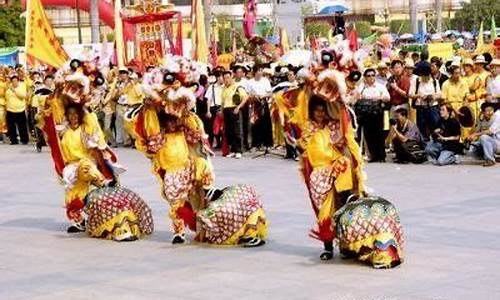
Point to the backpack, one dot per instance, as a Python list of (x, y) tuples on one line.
[(415, 152)]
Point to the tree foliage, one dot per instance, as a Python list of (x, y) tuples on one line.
[(11, 25), (363, 28), (317, 29), (472, 13)]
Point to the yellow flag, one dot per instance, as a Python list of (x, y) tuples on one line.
[(198, 36), (480, 38), (41, 42), (284, 41)]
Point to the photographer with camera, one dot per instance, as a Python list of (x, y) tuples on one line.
[(369, 108), (425, 94), (445, 145), (406, 139), (398, 86)]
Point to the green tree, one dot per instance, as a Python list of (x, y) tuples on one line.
[(11, 25), (472, 13), (317, 28), (363, 28)]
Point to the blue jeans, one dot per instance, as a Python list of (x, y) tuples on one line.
[(436, 152), (485, 148), (427, 120)]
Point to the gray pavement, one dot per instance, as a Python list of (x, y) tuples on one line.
[(451, 218)]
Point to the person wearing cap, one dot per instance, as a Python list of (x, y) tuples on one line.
[(455, 89), (493, 84), (423, 63), (383, 74), (129, 93), (424, 94), (482, 77), (409, 69), (485, 138), (15, 99)]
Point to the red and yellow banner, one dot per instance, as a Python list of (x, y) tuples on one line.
[(41, 42)]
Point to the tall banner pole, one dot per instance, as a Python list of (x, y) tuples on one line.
[(120, 55), (26, 32)]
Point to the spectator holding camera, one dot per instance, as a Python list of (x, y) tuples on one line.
[(424, 94), (445, 147), (406, 138), (398, 86)]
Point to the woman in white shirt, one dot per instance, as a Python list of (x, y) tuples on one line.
[(259, 89), (424, 94), (371, 97)]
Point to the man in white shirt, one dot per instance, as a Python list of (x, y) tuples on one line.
[(486, 138), (240, 73), (493, 83), (424, 94), (259, 89), (371, 97), (214, 99), (382, 73)]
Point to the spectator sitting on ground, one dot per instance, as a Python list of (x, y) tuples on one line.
[(486, 136), (445, 146), (405, 135)]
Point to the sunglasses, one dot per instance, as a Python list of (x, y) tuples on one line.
[(370, 75)]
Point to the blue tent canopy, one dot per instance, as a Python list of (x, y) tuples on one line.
[(330, 10)]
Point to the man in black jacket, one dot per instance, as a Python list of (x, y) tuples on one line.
[(445, 145)]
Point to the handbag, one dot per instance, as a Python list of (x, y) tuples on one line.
[(364, 107)]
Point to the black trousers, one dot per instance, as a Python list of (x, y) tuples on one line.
[(17, 122), (233, 128), (373, 130), (402, 153), (245, 121), (262, 129)]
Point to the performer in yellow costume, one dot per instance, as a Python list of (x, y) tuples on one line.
[(77, 143), (331, 159), (173, 139)]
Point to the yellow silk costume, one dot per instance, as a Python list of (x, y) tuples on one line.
[(180, 167), (75, 147), (331, 161)]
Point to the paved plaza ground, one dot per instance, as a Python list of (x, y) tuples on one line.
[(451, 218)]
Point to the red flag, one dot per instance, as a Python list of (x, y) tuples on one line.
[(353, 39), (213, 52)]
